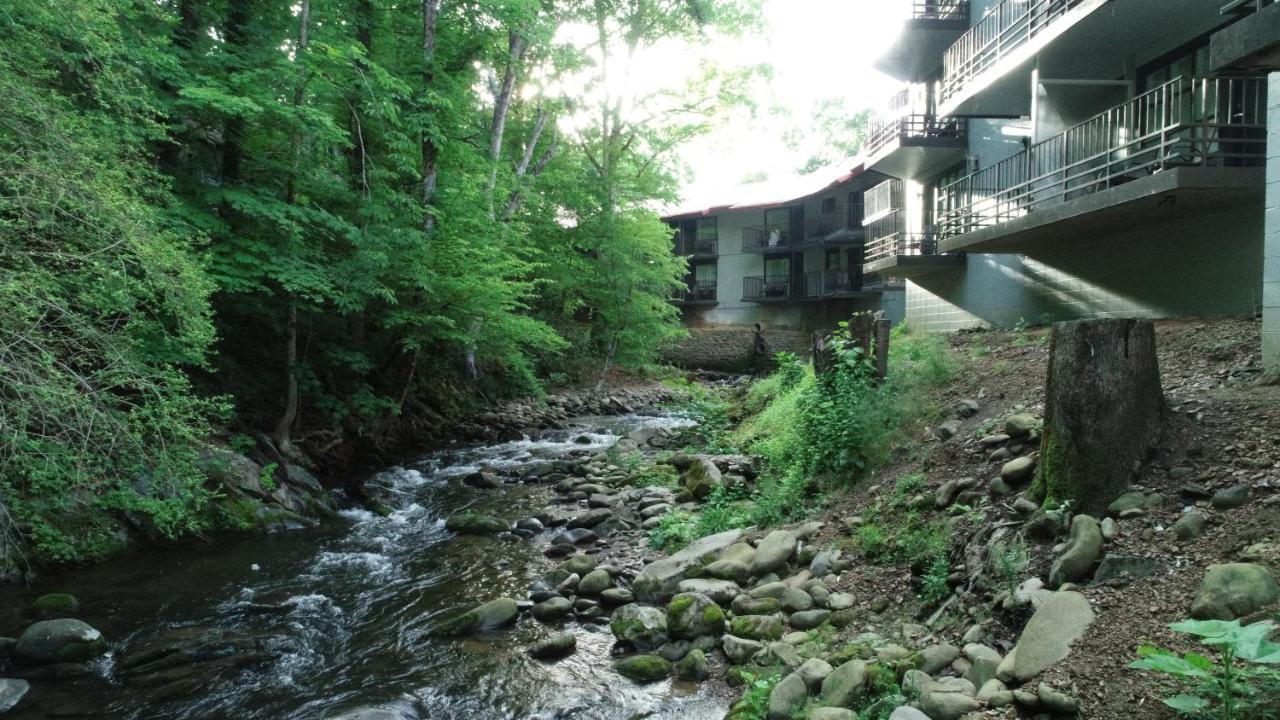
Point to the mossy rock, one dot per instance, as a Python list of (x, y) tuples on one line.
[(491, 615), (471, 523), (643, 627), (644, 668), (58, 641), (693, 667), (691, 615), (56, 605), (757, 627), (556, 646)]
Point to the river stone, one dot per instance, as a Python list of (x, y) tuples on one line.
[(11, 692), (1189, 526), (779, 654), (947, 702), (773, 590), (590, 518), (56, 605), (1234, 590), (840, 601), (1124, 567), (644, 627), (659, 580), (935, 658), (472, 523), (1058, 702), (747, 605), (825, 562), (482, 480), (691, 615), (655, 512), (906, 712), (773, 552), (491, 615), (58, 641), (530, 524), (740, 650), (995, 693), (845, 684), (1046, 641), (616, 596), (1016, 426), (693, 667), (1083, 550), (644, 668), (556, 608), (756, 627), (728, 570), (594, 583), (556, 646), (580, 565), (786, 697), (826, 713), (813, 671), (721, 591), (809, 619), (948, 429), (1018, 470), (983, 663), (795, 600), (1232, 497), (675, 650), (702, 478)]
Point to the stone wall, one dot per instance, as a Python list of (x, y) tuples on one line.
[(731, 349), (1271, 263)]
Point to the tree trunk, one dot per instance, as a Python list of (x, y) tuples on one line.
[(882, 349), (430, 151), (501, 108), (1103, 411), (284, 425)]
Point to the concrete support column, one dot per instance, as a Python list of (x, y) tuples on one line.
[(1271, 235)]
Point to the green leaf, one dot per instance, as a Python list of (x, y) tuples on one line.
[(1186, 703)]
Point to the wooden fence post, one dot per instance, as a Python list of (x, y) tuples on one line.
[(882, 349)]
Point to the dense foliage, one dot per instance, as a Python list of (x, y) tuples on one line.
[(307, 218)]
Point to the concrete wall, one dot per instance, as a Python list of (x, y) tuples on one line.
[(1271, 262), (731, 349), (1209, 264)]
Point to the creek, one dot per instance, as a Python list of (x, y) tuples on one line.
[(336, 621)]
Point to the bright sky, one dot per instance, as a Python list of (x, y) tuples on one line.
[(818, 49)]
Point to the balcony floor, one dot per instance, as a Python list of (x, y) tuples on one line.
[(913, 158), (1159, 197), (917, 52), (906, 266)]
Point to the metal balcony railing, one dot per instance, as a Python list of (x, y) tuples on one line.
[(1216, 122), (699, 291), (837, 281), (1004, 28), (799, 286), (881, 201), (901, 243), (940, 10), (769, 236), (916, 126)]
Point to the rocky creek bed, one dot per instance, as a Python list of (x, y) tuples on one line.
[(357, 618)]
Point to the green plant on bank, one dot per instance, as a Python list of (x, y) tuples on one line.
[(267, 477), (754, 703), (910, 540), (934, 587), (675, 530), (906, 486), (1242, 684), (709, 409), (655, 475), (1009, 560)]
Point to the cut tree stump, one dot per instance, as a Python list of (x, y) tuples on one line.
[(1104, 408)]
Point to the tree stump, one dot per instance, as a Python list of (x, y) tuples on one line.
[(882, 349), (824, 353), (1103, 411)]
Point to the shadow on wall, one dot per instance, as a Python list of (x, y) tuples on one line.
[(1207, 265)]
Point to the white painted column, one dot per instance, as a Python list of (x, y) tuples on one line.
[(1271, 236)]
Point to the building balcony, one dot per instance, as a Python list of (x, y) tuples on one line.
[(931, 27), (903, 254), (1188, 144), (806, 287), (917, 146), (988, 71), (815, 232), (697, 293), (703, 246), (1252, 43)]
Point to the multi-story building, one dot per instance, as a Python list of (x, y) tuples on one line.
[(791, 257), (1055, 159), (1046, 160)]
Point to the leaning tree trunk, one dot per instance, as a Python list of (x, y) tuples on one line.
[(1103, 411)]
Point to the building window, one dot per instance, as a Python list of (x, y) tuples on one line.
[(828, 205), (704, 274)]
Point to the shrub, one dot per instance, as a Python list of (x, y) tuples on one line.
[(675, 530), (1243, 684)]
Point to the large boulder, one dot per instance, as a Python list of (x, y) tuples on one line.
[(1057, 623), (1083, 550), (757, 627), (845, 685), (773, 552), (721, 591), (691, 615), (58, 641), (787, 697), (740, 650), (702, 478), (645, 628), (595, 582), (553, 609), (1234, 590), (489, 616), (659, 580)]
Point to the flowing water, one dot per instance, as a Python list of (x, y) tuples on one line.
[(348, 609)]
